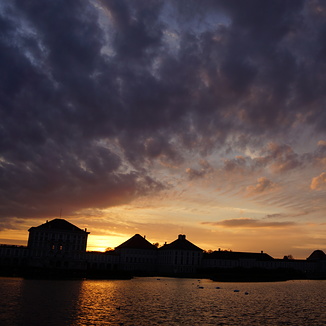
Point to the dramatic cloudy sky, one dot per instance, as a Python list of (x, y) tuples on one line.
[(206, 118)]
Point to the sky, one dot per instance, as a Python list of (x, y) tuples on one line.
[(205, 118)]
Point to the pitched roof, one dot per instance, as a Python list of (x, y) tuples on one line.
[(136, 242), (233, 255), (181, 244), (58, 224), (317, 255)]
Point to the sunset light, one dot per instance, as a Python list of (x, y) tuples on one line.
[(160, 118)]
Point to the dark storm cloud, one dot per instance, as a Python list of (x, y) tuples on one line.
[(54, 106), (92, 91), (137, 27)]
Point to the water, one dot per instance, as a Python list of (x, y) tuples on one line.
[(168, 301)]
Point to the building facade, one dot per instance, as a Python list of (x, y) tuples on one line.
[(59, 245), (137, 255), (179, 257)]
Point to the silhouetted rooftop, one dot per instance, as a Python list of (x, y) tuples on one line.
[(233, 255), (59, 224), (317, 255), (181, 244), (137, 242)]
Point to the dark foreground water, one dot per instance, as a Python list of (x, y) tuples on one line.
[(167, 301)]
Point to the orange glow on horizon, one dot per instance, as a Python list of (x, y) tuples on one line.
[(14, 237), (102, 242)]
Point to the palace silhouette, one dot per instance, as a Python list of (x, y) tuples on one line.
[(57, 248)]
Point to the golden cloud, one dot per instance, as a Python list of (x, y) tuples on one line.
[(319, 183), (322, 143), (249, 223), (263, 185)]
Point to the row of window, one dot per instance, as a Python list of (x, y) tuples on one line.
[(41, 240), (44, 253), (44, 243), (187, 253), (60, 247), (180, 260), (140, 260), (46, 235), (253, 263), (13, 252)]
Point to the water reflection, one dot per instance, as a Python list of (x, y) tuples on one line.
[(148, 301), (45, 302), (100, 302), (168, 301)]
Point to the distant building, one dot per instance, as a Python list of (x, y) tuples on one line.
[(13, 258), (102, 261), (57, 244), (317, 255), (60, 246), (317, 262), (232, 259), (180, 256), (137, 255)]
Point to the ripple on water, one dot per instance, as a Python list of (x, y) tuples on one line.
[(168, 301)]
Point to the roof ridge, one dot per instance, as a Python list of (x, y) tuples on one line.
[(59, 224), (136, 242), (181, 243)]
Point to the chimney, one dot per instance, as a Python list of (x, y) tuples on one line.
[(182, 237)]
